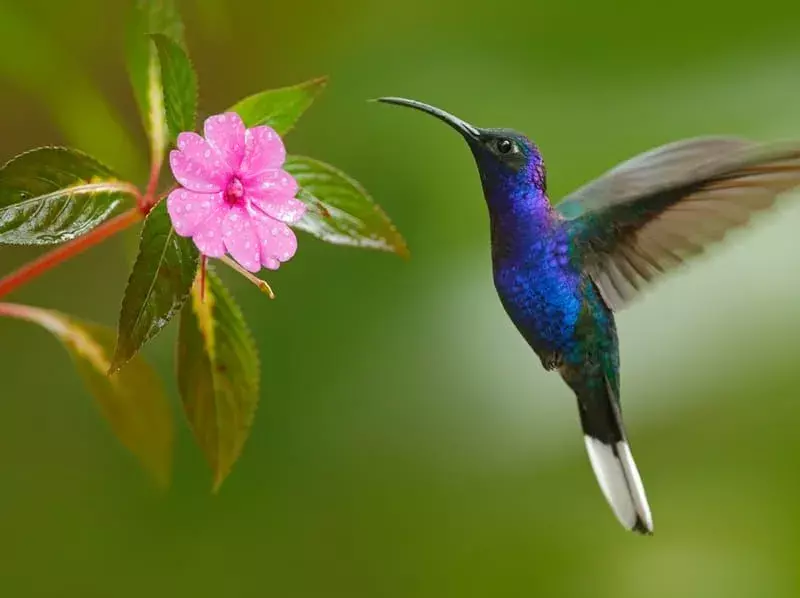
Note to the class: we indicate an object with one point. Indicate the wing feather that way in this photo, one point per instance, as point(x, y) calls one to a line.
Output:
point(655, 211)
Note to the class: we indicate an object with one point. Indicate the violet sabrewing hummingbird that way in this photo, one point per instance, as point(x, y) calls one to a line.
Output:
point(562, 271)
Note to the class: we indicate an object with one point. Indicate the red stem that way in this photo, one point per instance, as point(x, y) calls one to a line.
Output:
point(62, 253)
point(147, 201)
point(203, 277)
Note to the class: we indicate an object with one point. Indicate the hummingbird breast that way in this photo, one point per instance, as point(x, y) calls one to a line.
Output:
point(542, 292)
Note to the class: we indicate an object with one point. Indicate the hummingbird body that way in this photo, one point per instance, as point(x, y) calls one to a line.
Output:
point(538, 285)
point(559, 311)
point(562, 271)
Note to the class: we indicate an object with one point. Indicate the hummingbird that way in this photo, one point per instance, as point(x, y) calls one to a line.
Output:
point(563, 270)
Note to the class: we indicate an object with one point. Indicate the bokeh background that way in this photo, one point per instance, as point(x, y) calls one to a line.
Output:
point(408, 443)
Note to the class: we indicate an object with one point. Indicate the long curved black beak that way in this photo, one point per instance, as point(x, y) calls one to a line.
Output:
point(469, 132)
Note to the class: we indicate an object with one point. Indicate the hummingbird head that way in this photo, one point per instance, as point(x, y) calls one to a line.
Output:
point(509, 163)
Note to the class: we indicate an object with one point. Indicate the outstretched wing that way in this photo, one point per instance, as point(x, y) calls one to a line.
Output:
point(651, 213)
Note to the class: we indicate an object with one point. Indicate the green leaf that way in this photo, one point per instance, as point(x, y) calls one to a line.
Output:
point(53, 194)
point(339, 210)
point(179, 83)
point(218, 375)
point(144, 69)
point(160, 281)
point(132, 401)
point(279, 108)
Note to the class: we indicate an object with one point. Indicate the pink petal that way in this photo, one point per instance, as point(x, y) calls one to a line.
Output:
point(188, 209)
point(288, 211)
point(225, 132)
point(240, 239)
point(208, 236)
point(197, 166)
point(277, 241)
point(264, 150)
point(273, 192)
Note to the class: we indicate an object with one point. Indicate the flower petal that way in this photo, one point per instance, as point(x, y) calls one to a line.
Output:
point(273, 192)
point(188, 209)
point(225, 132)
point(240, 238)
point(277, 241)
point(208, 236)
point(264, 150)
point(197, 166)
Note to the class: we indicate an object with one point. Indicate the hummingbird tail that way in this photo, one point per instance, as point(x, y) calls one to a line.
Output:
point(621, 484)
point(612, 461)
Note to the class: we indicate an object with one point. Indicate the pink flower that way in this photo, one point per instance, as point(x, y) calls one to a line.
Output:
point(234, 196)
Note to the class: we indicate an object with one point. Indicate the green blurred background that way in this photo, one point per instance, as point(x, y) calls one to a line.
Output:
point(408, 443)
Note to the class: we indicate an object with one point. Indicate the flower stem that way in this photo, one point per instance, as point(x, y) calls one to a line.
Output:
point(203, 263)
point(62, 253)
point(148, 200)
point(262, 285)
point(12, 310)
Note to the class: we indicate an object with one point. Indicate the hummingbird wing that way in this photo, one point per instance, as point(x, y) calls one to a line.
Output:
point(656, 210)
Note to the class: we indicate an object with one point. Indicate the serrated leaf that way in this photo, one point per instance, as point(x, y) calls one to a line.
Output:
point(53, 194)
point(133, 401)
point(339, 210)
point(218, 375)
point(279, 108)
point(160, 281)
point(179, 84)
point(147, 18)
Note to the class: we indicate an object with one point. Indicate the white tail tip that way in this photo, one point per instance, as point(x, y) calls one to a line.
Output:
point(621, 484)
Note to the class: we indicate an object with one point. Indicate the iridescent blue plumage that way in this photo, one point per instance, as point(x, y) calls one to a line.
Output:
point(560, 272)
point(538, 283)
point(546, 293)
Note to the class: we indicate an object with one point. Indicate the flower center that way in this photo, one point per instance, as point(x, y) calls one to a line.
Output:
point(234, 192)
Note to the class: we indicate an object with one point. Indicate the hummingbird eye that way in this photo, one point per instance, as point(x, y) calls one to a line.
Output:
point(504, 145)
